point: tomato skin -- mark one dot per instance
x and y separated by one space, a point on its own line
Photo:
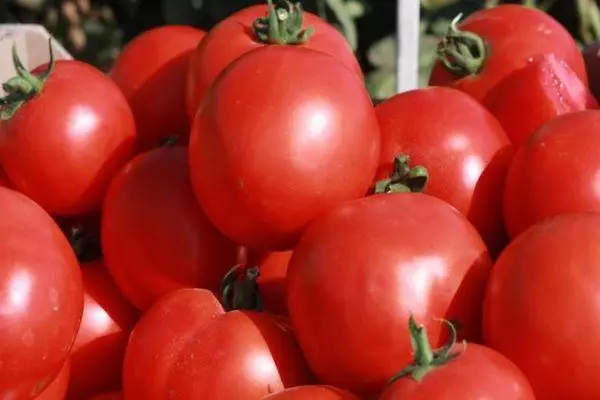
233 37
289 154
422 257
4 179
271 282
514 34
93 136
39 276
552 89
99 349
562 152
464 149
57 389
313 392
155 237
171 353
151 71
108 396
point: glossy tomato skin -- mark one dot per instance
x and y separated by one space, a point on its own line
477 373
171 353
57 389
464 149
151 71
271 282
99 349
552 89
345 291
540 309
92 137
233 37
514 34
4 179
290 153
155 237
313 392
41 297
554 172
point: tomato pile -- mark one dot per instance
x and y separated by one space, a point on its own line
227 216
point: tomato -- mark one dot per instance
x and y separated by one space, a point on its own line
238 34
57 389
41 297
506 38
4 179
92 137
313 392
533 95
151 70
349 298
98 352
186 347
554 172
464 149
155 237
108 396
540 308
290 153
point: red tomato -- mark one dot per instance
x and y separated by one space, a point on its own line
555 172
4 179
349 298
57 389
506 38
540 309
313 392
464 149
92 137
186 347
155 237
98 352
271 282
237 35
151 71
41 297
108 396
289 154
533 95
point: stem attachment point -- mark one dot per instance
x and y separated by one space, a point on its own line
462 53
283 24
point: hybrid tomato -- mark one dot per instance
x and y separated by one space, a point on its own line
186 347
41 297
151 71
291 152
248 29
313 392
492 43
155 237
57 389
4 179
362 268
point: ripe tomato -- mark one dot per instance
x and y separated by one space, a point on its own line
464 149
506 38
4 179
186 347
151 71
57 389
349 298
98 352
92 137
540 308
155 237
551 89
313 392
554 172
41 297
237 35
289 154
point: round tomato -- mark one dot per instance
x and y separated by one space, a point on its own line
247 30
493 42
4 179
57 389
151 71
99 349
313 392
361 269
62 147
155 237
541 308
555 172
108 396
290 153
185 346
41 297
464 149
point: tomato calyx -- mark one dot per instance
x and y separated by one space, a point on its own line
425 358
283 24
23 87
462 53
239 289
404 178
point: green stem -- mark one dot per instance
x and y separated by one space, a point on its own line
239 289
462 53
530 3
404 178
283 24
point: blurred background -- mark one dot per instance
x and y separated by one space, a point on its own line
96 30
